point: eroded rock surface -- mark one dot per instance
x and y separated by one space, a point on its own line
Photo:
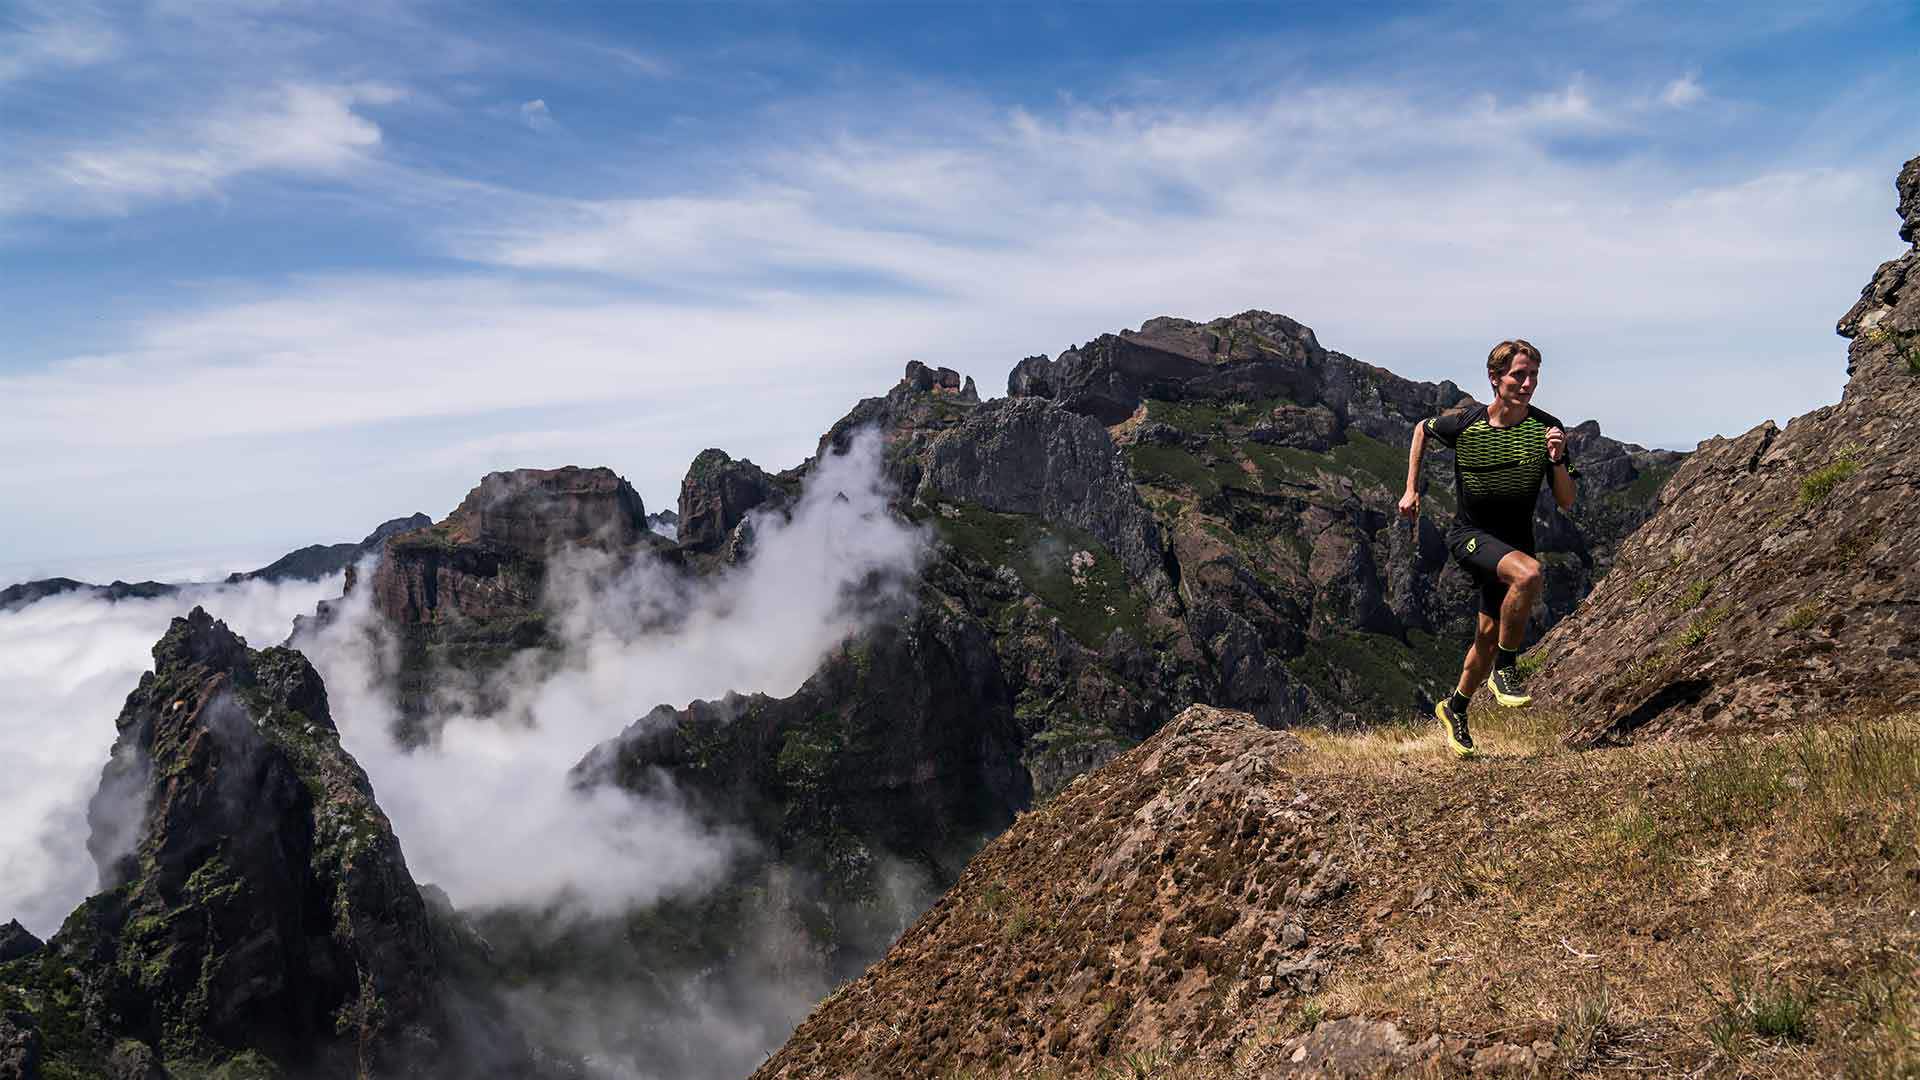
1780 581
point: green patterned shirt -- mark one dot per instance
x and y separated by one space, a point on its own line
1497 470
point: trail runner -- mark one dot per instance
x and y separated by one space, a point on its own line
1501 453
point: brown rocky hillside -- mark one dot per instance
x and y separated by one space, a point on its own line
1778 581
1230 901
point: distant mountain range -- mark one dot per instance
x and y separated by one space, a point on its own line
311 563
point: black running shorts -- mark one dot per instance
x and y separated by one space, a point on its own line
1479 552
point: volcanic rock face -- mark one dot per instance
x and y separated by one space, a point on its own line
263 907
716 496
465 594
1778 582
1027 456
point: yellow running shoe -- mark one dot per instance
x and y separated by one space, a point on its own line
1509 687
1459 740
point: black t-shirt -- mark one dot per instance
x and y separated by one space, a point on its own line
1497 470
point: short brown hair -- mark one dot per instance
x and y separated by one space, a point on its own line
1501 358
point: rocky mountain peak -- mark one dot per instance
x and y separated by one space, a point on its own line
258 913
199 641
923 379
530 510
716 496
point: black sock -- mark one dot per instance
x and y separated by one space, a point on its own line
1507 658
1457 704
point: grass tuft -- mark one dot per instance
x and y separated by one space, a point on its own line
1585 1026
1820 483
1695 592
1803 615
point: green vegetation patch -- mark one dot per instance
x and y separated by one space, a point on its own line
1694 593
1820 483
1701 626
1648 484
1178 467
1199 417
1365 460
1074 575
1376 675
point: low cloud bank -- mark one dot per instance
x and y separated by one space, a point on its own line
486 810
67 665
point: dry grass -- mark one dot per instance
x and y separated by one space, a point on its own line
1499 734
1738 909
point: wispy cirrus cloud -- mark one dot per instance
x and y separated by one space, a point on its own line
47 37
294 128
658 276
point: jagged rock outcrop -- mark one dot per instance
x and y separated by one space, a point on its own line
716 496
1109 376
17 941
925 402
465 594
256 902
1029 456
317 561
1780 581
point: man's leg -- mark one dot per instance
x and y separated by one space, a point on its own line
1453 711
1520 573
1486 635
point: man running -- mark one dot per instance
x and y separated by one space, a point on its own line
1501 453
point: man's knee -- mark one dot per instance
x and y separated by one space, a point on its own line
1525 574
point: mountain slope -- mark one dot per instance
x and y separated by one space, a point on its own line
1229 901
1776 584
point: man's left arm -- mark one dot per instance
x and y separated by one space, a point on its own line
1559 468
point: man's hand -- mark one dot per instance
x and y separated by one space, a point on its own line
1410 505
1556 450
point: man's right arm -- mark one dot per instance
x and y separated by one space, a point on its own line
1410 502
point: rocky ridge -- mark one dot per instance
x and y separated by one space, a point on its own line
316 561
257 917
1775 584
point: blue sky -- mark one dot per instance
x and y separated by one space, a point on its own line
273 272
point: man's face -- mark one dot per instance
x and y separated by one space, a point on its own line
1516 386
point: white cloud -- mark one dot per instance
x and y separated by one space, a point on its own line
47 37
536 115
302 128
1682 92
1407 230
